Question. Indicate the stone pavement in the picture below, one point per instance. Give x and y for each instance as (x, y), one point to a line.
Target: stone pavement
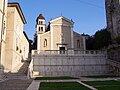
(16, 81)
(34, 85)
(15, 84)
(98, 79)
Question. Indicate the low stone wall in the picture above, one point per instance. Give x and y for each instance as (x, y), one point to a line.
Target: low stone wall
(113, 67)
(69, 65)
(113, 59)
(113, 53)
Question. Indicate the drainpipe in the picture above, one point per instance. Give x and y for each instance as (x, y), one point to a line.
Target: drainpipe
(2, 29)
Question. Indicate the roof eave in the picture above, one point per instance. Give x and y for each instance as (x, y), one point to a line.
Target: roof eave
(60, 18)
(15, 4)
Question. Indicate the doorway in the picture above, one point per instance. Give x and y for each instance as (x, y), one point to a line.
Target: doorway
(62, 50)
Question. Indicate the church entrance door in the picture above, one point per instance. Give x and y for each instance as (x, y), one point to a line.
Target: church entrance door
(62, 50)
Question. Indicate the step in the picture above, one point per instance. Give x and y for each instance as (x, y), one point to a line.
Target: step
(15, 84)
(16, 76)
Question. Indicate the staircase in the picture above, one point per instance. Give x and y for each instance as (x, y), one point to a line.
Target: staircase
(21, 74)
(16, 76)
(16, 81)
(15, 84)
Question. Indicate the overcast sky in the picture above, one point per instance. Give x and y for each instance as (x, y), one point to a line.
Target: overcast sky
(88, 15)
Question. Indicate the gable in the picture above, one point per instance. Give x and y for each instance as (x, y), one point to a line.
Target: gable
(62, 20)
(57, 21)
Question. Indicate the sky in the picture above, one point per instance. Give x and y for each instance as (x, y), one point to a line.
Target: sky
(89, 16)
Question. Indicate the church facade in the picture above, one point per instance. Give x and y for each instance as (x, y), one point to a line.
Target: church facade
(58, 35)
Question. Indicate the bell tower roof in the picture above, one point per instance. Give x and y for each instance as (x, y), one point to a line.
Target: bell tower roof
(40, 17)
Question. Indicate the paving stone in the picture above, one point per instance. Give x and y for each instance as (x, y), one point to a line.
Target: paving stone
(15, 84)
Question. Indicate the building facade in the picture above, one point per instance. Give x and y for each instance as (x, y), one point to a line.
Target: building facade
(3, 17)
(113, 17)
(58, 35)
(17, 45)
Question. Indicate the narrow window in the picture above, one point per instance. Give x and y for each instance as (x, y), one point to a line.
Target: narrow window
(41, 28)
(41, 22)
(78, 43)
(45, 43)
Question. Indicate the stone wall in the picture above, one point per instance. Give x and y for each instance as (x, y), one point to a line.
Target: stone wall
(113, 61)
(113, 53)
(113, 17)
(70, 64)
(113, 67)
(3, 17)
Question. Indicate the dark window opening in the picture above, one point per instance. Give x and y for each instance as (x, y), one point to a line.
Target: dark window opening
(40, 22)
(78, 43)
(62, 50)
(45, 43)
(41, 28)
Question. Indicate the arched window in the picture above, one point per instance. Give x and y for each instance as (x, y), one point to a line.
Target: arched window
(45, 43)
(78, 43)
(39, 28)
(40, 22)
(42, 29)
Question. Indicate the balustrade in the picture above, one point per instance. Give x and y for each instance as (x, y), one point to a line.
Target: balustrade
(66, 52)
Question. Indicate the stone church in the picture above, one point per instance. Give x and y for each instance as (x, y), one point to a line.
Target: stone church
(58, 35)
(61, 51)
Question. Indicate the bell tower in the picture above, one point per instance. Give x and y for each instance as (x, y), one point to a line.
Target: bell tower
(40, 24)
(40, 29)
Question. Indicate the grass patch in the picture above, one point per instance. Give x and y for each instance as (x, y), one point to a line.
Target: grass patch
(62, 86)
(105, 85)
(55, 78)
(102, 76)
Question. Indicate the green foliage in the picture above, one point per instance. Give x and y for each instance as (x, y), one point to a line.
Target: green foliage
(90, 43)
(35, 42)
(101, 39)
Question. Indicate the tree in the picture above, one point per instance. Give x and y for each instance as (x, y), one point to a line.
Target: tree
(30, 45)
(35, 42)
(90, 43)
(102, 39)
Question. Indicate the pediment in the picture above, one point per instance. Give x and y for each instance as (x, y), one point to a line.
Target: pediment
(62, 20)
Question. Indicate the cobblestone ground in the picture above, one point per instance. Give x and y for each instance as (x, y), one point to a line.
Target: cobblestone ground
(15, 84)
